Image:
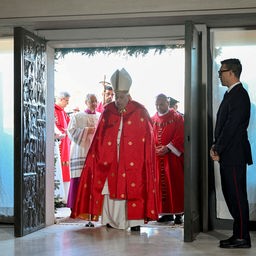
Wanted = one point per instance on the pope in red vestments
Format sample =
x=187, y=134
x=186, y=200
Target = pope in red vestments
x=168, y=127
x=120, y=165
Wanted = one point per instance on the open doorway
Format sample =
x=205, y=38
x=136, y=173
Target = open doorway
x=152, y=73
x=50, y=119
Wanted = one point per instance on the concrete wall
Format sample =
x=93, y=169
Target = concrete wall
x=31, y=8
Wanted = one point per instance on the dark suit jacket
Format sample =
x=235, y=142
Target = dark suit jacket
x=231, y=139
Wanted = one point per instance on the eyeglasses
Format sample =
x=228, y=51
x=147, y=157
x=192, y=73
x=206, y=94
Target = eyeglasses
x=221, y=71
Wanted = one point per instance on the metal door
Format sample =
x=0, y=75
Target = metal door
x=29, y=131
x=192, y=175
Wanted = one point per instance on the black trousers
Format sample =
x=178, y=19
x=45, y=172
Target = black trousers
x=233, y=181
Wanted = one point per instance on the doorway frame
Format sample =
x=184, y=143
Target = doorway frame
x=153, y=35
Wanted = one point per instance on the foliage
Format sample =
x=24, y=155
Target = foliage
x=130, y=50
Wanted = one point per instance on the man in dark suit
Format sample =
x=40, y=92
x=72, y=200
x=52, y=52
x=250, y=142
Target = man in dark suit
x=233, y=151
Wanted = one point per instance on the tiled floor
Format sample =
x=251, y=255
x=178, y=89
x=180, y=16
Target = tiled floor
x=74, y=239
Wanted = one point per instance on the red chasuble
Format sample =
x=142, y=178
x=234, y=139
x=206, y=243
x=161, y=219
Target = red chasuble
x=132, y=178
x=61, y=121
x=170, y=128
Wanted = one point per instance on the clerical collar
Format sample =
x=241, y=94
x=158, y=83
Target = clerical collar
x=232, y=86
x=162, y=114
x=88, y=111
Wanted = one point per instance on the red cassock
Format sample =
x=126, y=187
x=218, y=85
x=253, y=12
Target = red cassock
x=132, y=178
x=100, y=107
x=170, y=128
x=61, y=121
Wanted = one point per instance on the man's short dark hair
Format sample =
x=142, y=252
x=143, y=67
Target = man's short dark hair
x=234, y=65
x=109, y=88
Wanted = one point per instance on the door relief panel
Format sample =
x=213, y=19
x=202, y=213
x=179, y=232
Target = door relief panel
x=29, y=131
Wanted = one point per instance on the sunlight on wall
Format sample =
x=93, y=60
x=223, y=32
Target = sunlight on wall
x=151, y=75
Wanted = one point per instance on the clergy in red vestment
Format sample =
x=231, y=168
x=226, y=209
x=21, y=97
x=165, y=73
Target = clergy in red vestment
x=169, y=138
x=118, y=180
x=61, y=122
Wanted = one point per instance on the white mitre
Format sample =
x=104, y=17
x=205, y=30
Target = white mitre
x=121, y=80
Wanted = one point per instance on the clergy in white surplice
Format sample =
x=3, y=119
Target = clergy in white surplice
x=80, y=131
